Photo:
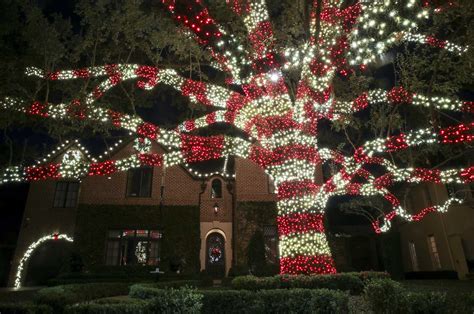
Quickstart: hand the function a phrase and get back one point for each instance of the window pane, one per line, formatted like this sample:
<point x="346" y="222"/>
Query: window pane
<point x="154" y="258"/>
<point x="133" y="182"/>
<point x="60" y="194"/>
<point x="112" y="253"/>
<point x="155" y="234"/>
<point x="128" y="233"/>
<point x="71" y="195"/>
<point x="270" y="236"/>
<point x="216" y="188"/>
<point x="113" y="234"/>
<point x="142" y="233"/>
<point x="146" y="177"/>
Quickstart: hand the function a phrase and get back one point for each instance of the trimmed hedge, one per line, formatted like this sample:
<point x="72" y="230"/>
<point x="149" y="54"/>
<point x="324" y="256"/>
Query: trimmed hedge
<point x="388" y="296"/>
<point x="60" y="296"/>
<point x="113" y="308"/>
<point x="25" y="308"/>
<point x="243" y="301"/>
<point x="275" y="301"/>
<point x="344" y="282"/>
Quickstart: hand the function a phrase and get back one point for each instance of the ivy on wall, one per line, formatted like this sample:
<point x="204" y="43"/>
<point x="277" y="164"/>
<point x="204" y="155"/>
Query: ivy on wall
<point x="250" y="217"/>
<point x="179" y="224"/>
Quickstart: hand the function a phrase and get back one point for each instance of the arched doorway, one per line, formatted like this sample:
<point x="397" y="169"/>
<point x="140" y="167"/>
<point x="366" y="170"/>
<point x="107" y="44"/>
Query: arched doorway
<point x="215" y="255"/>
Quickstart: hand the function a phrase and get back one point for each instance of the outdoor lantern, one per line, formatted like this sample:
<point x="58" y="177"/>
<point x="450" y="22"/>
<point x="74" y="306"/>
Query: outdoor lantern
<point x="216" y="208"/>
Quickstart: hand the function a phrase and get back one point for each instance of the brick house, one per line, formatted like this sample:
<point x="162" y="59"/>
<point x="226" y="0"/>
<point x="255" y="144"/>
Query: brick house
<point x="175" y="218"/>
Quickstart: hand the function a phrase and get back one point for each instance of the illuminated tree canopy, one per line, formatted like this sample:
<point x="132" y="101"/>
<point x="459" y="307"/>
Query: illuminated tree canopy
<point x="279" y="93"/>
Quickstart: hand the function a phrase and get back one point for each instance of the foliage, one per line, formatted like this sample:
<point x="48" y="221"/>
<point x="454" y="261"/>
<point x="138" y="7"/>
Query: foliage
<point x="384" y="295"/>
<point x="25" y="308"/>
<point x="387" y="296"/>
<point x="171" y="300"/>
<point x="275" y="301"/>
<point x="180" y="238"/>
<point x="114" y="308"/>
<point x="342" y="281"/>
<point x="183" y="300"/>
<point x="252" y="217"/>
<point x="60" y="296"/>
<point x="256" y="253"/>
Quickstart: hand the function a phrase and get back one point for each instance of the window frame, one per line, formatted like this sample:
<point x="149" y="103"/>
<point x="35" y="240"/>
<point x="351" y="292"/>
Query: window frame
<point x="141" y="169"/>
<point x="64" y="202"/>
<point x="434" y="252"/>
<point x="413" y="256"/>
<point x="121" y="239"/>
<point x="220" y="186"/>
<point x="267" y="238"/>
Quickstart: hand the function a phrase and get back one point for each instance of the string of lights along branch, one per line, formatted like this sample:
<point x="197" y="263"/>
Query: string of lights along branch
<point x="278" y="128"/>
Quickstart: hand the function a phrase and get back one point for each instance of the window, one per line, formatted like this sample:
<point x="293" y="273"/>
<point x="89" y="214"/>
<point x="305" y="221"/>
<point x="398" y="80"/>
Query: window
<point x="65" y="195"/>
<point x="216" y="188"/>
<point x="460" y="191"/>
<point x="139" y="182"/>
<point x="427" y="194"/>
<point x="270" y="238"/>
<point x="271" y="185"/>
<point x="133" y="247"/>
<point x="434" y="252"/>
<point x="414" y="259"/>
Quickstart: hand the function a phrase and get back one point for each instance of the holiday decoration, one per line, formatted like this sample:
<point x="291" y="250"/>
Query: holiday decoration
<point x="29" y="251"/>
<point x="278" y="127"/>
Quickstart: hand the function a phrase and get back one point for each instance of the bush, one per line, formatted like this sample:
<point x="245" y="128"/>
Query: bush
<point x="113" y="308"/>
<point x="184" y="300"/>
<point x="231" y="301"/>
<point x="255" y="283"/>
<point x="275" y="301"/>
<point x="430" y="302"/>
<point x="304" y="301"/>
<point x="366" y="276"/>
<point x="385" y="296"/>
<point x="25" y="308"/>
<point x="60" y="296"/>
<point x="345" y="282"/>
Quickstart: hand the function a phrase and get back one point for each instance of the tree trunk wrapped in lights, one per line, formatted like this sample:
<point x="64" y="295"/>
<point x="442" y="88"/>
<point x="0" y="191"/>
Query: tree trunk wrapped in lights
<point x="279" y="123"/>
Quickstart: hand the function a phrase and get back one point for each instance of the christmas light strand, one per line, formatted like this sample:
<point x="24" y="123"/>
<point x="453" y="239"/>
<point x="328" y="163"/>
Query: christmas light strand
<point x="29" y="252"/>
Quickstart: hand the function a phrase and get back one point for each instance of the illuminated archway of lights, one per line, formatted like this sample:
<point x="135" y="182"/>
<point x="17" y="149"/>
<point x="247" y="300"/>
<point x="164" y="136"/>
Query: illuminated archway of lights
<point x="280" y="133"/>
<point x="29" y="251"/>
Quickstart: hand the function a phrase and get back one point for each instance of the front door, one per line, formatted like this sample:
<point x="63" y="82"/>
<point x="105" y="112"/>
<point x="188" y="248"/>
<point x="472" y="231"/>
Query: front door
<point x="215" y="255"/>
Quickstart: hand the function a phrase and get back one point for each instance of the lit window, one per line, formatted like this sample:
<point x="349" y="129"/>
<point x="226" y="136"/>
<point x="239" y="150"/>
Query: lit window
<point x="139" y="182"/>
<point x="216" y="188"/>
<point x="65" y="195"/>
<point x="133" y="247"/>
<point x="413" y="257"/>
<point x="434" y="252"/>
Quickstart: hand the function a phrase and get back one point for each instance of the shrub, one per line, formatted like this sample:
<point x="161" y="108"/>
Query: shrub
<point x="275" y="301"/>
<point x="60" y="296"/>
<point x="366" y="276"/>
<point x="231" y="301"/>
<point x="113" y="308"/>
<point x="345" y="282"/>
<point x="428" y="302"/>
<point x="182" y="300"/>
<point x="304" y="301"/>
<point x="25" y="308"/>
<point x="255" y="283"/>
<point x="385" y="296"/>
